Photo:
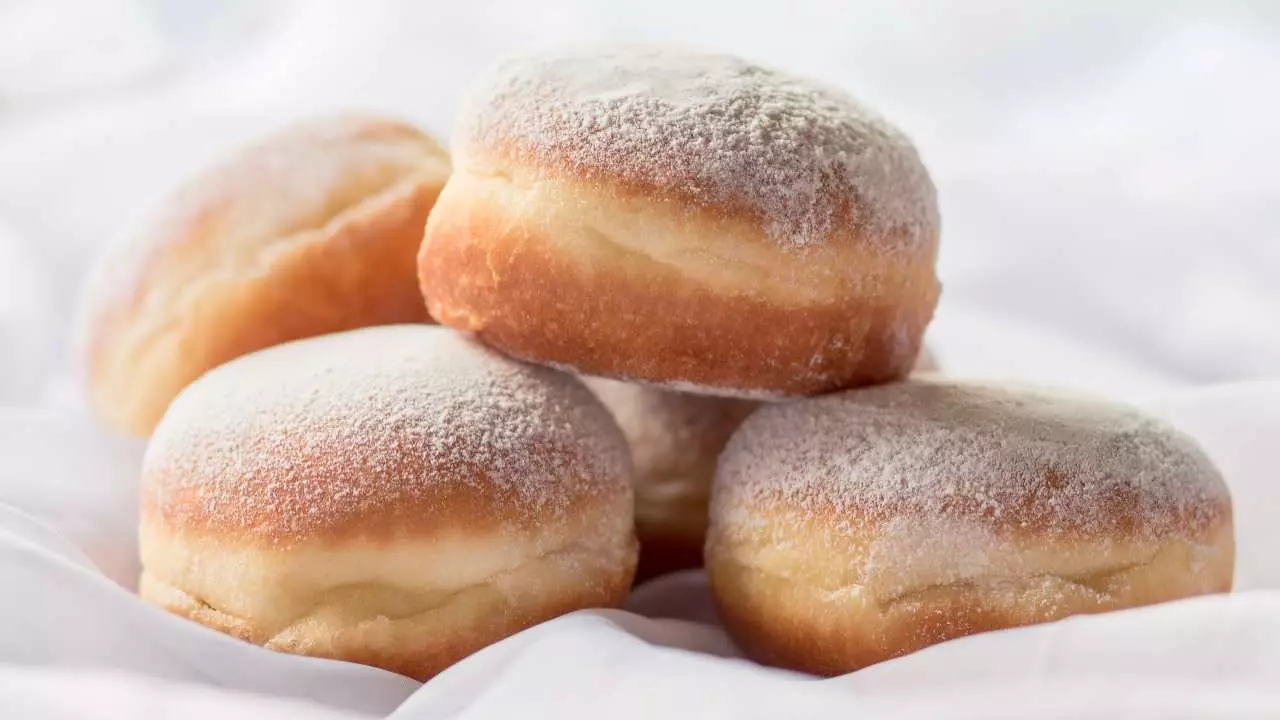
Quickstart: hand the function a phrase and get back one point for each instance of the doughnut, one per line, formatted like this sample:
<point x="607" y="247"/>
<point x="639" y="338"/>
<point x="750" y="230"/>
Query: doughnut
<point x="675" y="439"/>
<point x="397" y="496"/>
<point x="853" y="528"/>
<point x="312" y="230"/>
<point x="689" y="220"/>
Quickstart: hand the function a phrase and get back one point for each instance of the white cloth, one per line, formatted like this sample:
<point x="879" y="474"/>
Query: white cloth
<point x="1106" y="173"/>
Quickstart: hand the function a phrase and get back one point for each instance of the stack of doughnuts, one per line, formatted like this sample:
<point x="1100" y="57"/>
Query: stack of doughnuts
<point x="679" y="297"/>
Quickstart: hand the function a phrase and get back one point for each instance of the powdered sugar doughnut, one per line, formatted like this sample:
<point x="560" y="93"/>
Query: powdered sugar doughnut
<point x="675" y="440"/>
<point x="395" y="496"/>
<point x="314" y="229"/>
<point x="687" y="219"/>
<point x="856" y="527"/>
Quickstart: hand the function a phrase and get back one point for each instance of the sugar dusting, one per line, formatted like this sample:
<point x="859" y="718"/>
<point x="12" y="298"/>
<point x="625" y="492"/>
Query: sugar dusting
<point x="992" y="460"/>
<point x="314" y="435"/>
<point x="714" y="130"/>
<point x="671" y="432"/>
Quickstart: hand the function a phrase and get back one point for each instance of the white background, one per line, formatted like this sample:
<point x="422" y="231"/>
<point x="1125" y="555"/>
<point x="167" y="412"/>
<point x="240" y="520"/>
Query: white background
<point x="1111" y="205"/>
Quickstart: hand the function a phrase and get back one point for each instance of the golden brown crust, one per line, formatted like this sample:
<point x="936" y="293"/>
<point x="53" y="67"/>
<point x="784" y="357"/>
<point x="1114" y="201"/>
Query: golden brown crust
<point x="800" y="621"/>
<point x="416" y="625"/>
<point x="312" y="231"/>
<point x="606" y="283"/>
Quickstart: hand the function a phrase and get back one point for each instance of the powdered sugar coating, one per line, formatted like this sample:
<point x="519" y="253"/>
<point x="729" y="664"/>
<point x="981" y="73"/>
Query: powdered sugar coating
<point x="713" y="131"/>
<point x="672" y="434"/>
<point x="967" y="456"/>
<point x="378" y="431"/>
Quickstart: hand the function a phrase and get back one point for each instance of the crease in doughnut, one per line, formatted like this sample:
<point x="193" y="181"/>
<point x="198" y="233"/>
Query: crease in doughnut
<point x="613" y="227"/>
<point x="694" y="243"/>
<point x="428" y="603"/>
<point x="408" y="602"/>
<point x="1098" y="581"/>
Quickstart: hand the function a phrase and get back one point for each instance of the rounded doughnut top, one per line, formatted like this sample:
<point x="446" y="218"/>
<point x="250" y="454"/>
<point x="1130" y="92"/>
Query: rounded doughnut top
<point x="806" y="161"/>
<point x="387" y="431"/>
<point x="312" y="229"/>
<point x="1014" y="462"/>
<point x="296" y="180"/>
